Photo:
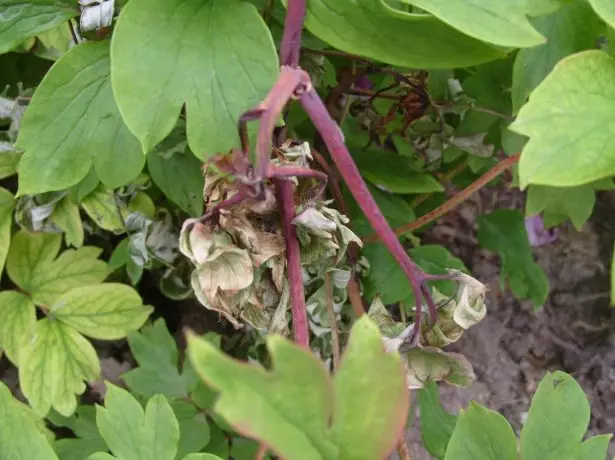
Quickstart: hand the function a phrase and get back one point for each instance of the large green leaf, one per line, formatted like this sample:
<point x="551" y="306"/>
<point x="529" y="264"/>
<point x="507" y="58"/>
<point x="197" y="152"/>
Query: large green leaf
<point x="501" y="23"/>
<point x="573" y="28"/>
<point x="289" y="407"/>
<point x="503" y="231"/>
<point x="570" y="137"/>
<point x="375" y="30"/>
<point x="180" y="178"/>
<point x="437" y="425"/>
<point x="482" y="434"/>
<point x="73" y="123"/>
<point x="216" y="56"/>
<point x="7" y="204"/>
<point x="561" y="203"/>
<point x="17" y="322"/>
<point x="20" y="439"/>
<point x="606" y="10"/>
<point x="371" y="397"/>
<point x="23" y="19"/>
<point x="29" y="252"/>
<point x="109" y="311"/>
<point x="134" y="434"/>
<point x="53" y="366"/>
<point x="557" y="421"/>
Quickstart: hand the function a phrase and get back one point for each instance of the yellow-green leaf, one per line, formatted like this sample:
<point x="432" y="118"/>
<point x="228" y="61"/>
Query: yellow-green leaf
<point x="17" y="322"/>
<point x="104" y="209"/>
<point x="606" y="10"/>
<point x="30" y="252"/>
<point x="7" y="204"/>
<point x="54" y="365"/>
<point x="66" y="216"/>
<point x="109" y="311"/>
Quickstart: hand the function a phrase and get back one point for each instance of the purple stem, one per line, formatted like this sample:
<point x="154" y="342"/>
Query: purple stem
<point x="333" y="138"/>
<point x="285" y="195"/>
<point x="293" y="29"/>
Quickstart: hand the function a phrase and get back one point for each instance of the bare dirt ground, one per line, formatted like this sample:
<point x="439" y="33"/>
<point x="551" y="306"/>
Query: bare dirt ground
<point x="513" y="347"/>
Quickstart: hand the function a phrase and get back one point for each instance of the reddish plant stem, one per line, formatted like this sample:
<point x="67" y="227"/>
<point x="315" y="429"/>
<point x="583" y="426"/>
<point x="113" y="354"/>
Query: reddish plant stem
<point x="293" y="29"/>
<point x="454" y="201"/>
<point x="285" y="195"/>
<point x="333" y="138"/>
<point x="402" y="449"/>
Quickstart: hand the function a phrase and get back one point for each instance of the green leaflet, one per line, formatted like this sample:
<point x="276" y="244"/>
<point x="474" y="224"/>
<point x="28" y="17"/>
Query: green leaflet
<point x="73" y="124"/>
<point x="20" y="439"/>
<point x="482" y="434"/>
<point x="503" y="231"/>
<point x="557" y="421"/>
<point x="23" y="19"/>
<point x="109" y="311"/>
<point x="492" y="21"/>
<point x="570" y="138"/>
<point x="104" y="209"/>
<point x="66" y="216"/>
<point x="134" y="434"/>
<point x="377" y="31"/>
<point x="289" y="407"/>
<point x="573" y="28"/>
<point x="437" y="425"/>
<point x="216" y="56"/>
<point x="53" y="365"/>
<point x="7" y="204"/>
<point x="17" y="322"/>
<point x="606" y="10"/>
<point x="561" y="203"/>
<point x="8" y="162"/>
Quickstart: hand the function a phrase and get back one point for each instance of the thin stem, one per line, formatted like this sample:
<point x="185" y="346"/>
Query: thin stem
<point x="73" y="34"/>
<point x="454" y="201"/>
<point x="335" y="339"/>
<point x="285" y="195"/>
<point x="293" y="29"/>
<point x="444" y="179"/>
<point x="355" y="297"/>
<point x="402" y="449"/>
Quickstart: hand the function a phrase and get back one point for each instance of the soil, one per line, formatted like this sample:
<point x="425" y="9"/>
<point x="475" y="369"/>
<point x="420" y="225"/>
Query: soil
<point x="514" y="346"/>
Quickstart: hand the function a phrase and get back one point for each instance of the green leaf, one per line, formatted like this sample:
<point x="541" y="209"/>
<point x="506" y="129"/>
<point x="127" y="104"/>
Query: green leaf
<point x="394" y="172"/>
<point x="73" y="268"/>
<point x="87" y="185"/>
<point x="66" y="217"/>
<point x="73" y="124"/>
<point x="561" y="203"/>
<point x="570" y="142"/>
<point x="571" y="29"/>
<point x="134" y="434"/>
<point x="557" y="419"/>
<point x="104" y="209"/>
<point x="194" y="435"/>
<point x="8" y="163"/>
<point x="216" y="57"/>
<point x="109" y="311"/>
<point x="7" y="204"/>
<point x="180" y="179"/>
<point x="377" y="31"/>
<point x="482" y="434"/>
<point x="437" y="425"/>
<point x="17" y="322"/>
<point x="503" y="231"/>
<point x="606" y="10"/>
<point x="23" y="19"/>
<point x="20" y="439"/>
<point x="501" y="23"/>
<point x="28" y="252"/>
<point x="155" y="350"/>
<point x="594" y="448"/>
<point x="201" y="457"/>
<point x="53" y="366"/>
<point x="371" y="403"/>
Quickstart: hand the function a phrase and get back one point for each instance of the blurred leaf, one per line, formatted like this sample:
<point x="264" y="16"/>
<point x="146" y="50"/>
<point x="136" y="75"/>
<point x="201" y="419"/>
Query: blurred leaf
<point x="9" y="159"/>
<point x="434" y="44"/>
<point x="152" y="83"/>
<point x="482" y="434"/>
<point x="28" y="253"/>
<point x="109" y="311"/>
<point x="194" y="435"/>
<point x="72" y="124"/>
<point x="558" y="204"/>
<point x="17" y="322"/>
<point x="574" y="27"/>
<point x="20" y="439"/>
<point x="53" y="365"/>
<point x="201" y="457"/>
<point x="87" y="185"/>
<point x="570" y="142"/>
<point x="7" y="204"/>
<point x="180" y="179"/>
<point x="594" y="448"/>
<point x="134" y="434"/>
<point x="23" y="19"/>
<point x="503" y="231"/>
<point x="437" y="425"/>
<point x="501" y="23"/>
<point x="606" y="10"/>
<point x="66" y="217"/>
